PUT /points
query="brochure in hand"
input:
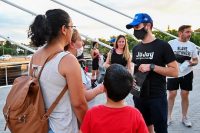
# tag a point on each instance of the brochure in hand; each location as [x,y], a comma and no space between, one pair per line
[140,78]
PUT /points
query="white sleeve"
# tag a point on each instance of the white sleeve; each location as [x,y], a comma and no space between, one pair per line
[171,42]
[83,76]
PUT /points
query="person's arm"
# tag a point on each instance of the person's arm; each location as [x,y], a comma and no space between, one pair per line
[129,66]
[70,69]
[171,69]
[107,62]
[172,66]
[92,93]
[193,61]
[86,125]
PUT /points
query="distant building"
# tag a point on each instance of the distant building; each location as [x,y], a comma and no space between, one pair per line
[197,30]
[1,42]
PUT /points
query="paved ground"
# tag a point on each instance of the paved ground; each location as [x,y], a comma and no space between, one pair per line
[176,127]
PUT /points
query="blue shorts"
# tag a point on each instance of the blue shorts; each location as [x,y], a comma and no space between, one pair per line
[154,111]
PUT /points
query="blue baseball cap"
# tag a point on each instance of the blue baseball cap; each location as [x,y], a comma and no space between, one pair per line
[112,40]
[138,19]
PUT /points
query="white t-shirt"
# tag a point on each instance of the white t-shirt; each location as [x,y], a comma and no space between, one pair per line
[183,51]
[87,82]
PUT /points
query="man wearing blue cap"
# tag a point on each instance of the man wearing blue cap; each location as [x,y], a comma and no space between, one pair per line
[151,56]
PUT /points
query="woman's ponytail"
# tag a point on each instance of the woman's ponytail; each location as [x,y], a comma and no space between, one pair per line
[39,31]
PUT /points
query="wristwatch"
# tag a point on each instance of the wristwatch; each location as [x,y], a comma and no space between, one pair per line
[152,67]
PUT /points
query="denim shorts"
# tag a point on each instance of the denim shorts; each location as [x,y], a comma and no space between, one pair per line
[50,131]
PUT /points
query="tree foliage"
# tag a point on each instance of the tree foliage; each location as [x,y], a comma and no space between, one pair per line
[131,42]
[11,49]
[8,48]
[195,38]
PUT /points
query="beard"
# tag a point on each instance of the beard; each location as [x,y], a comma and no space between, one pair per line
[185,39]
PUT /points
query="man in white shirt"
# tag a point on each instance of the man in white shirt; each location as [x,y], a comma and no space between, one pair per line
[186,55]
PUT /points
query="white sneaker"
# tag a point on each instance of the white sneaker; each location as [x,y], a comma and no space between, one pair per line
[186,122]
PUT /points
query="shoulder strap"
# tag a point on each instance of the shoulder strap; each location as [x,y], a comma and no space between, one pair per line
[46,115]
[48,59]
[52,107]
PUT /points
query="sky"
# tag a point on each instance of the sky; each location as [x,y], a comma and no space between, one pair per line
[14,23]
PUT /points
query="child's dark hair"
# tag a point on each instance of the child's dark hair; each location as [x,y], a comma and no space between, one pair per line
[118,82]
[46,27]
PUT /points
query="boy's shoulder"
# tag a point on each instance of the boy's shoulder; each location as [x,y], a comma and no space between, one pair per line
[133,109]
[103,107]
[96,108]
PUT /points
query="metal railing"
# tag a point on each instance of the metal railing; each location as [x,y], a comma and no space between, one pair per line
[34,14]
[114,10]
[10,71]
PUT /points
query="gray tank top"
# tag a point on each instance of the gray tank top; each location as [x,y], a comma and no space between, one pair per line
[62,119]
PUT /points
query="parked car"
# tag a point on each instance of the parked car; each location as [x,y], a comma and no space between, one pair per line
[5,57]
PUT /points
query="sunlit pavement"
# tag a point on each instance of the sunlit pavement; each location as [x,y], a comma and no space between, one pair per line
[176,127]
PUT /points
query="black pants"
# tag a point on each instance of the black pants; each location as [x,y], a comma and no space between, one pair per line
[154,111]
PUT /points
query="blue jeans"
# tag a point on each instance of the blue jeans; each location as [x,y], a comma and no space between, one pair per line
[50,131]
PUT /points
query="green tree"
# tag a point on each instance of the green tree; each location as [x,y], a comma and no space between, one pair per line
[8,44]
[10,48]
[163,36]
[1,50]
[131,41]
[196,38]
[102,49]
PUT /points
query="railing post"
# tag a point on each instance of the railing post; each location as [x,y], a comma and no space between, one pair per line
[6,75]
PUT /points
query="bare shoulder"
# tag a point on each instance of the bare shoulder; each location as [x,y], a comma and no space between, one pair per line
[69,61]
[69,58]
[38,52]
[38,56]
[69,66]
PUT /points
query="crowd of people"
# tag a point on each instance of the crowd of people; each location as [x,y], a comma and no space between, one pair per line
[153,57]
